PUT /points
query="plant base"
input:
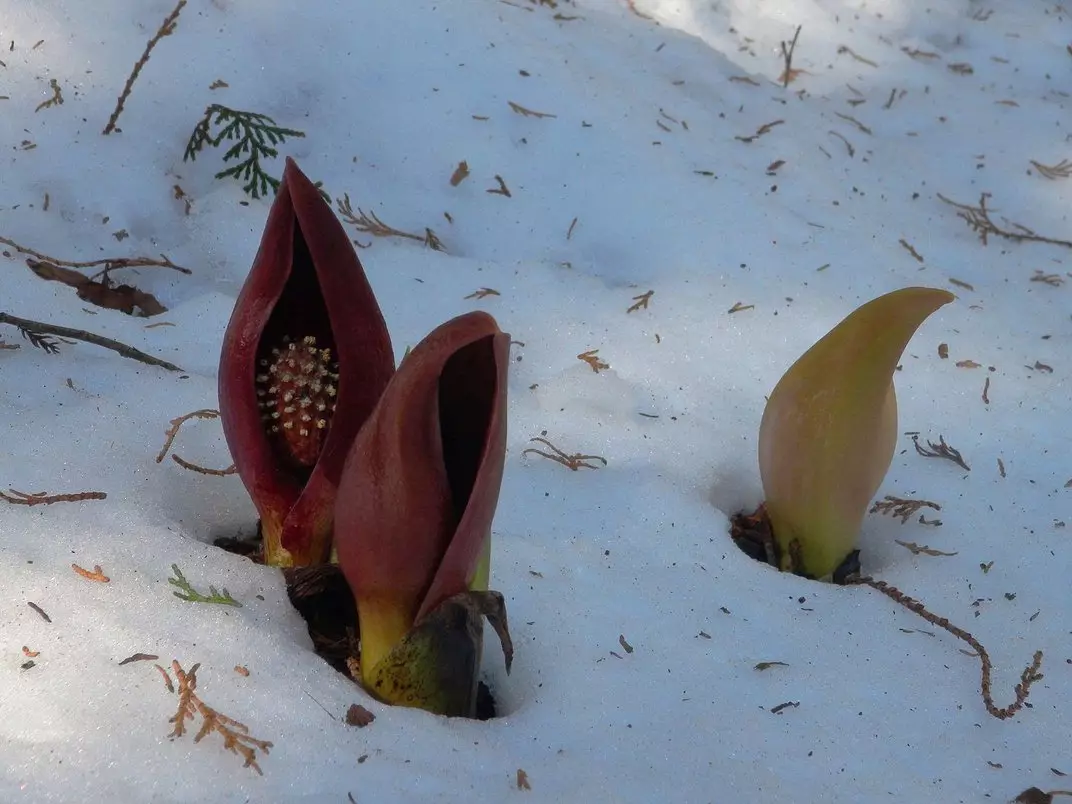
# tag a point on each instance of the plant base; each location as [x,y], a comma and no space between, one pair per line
[754,535]
[323,599]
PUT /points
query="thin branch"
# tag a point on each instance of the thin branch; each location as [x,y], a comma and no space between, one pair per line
[979,221]
[39,328]
[167,27]
[109,263]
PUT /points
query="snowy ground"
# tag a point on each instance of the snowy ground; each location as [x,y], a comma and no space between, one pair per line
[640,181]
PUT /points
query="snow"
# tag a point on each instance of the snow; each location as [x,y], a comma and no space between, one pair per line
[391,97]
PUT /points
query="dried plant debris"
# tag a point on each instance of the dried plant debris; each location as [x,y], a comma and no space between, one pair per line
[763,129]
[236,736]
[901,507]
[768,665]
[1062,170]
[911,250]
[979,221]
[254,136]
[173,431]
[738,307]
[176,425]
[1053,280]
[102,293]
[523,780]
[359,716]
[591,357]
[140,657]
[916,549]
[940,450]
[625,645]
[848,145]
[1028,677]
[36,332]
[106,265]
[960,68]
[788,73]
[44,498]
[482,293]
[55,100]
[777,710]
[502,189]
[167,27]
[572,462]
[641,302]
[96,575]
[39,610]
[943,351]
[521,110]
[371,224]
[854,121]
[460,174]
[188,593]
[846,49]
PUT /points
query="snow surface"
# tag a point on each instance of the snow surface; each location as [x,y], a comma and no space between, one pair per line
[643,154]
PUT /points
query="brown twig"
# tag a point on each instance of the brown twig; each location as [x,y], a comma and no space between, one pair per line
[38,327]
[203,470]
[167,27]
[979,221]
[236,737]
[372,225]
[502,189]
[176,425]
[571,462]
[44,498]
[763,129]
[1030,675]
[788,74]
[109,263]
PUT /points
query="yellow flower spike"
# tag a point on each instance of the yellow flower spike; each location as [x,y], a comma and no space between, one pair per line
[830,427]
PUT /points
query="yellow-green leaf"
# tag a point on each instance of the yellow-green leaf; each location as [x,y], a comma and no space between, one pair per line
[830,427]
[434,667]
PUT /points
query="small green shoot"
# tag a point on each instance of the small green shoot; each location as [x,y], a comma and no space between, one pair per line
[193,596]
[254,136]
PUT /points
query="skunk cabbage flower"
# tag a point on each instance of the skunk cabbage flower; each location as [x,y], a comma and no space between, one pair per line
[305,358]
[830,427]
[413,518]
